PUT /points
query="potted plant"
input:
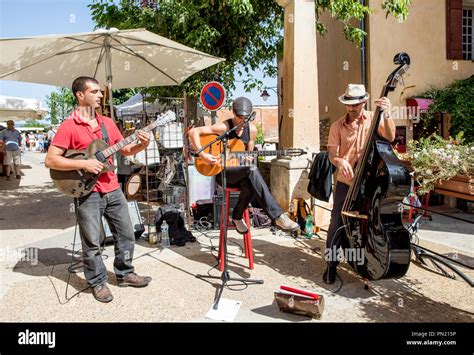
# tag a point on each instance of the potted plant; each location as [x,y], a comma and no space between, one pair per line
[443,164]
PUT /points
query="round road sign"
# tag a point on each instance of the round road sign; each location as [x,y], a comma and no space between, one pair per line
[212,95]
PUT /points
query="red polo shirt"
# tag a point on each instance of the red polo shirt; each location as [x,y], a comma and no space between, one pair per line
[74,133]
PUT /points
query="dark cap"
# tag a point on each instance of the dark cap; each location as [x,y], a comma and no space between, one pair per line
[242,106]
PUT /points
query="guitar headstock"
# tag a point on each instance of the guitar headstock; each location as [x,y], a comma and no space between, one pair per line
[168,116]
[294,152]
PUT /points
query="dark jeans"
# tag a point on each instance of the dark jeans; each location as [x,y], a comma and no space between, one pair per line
[336,233]
[90,209]
[251,184]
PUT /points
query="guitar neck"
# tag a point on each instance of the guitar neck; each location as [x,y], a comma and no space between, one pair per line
[263,153]
[124,142]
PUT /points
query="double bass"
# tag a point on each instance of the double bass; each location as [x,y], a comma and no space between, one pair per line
[371,216]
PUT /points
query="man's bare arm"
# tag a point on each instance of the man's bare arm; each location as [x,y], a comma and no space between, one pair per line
[132,149]
[55,160]
[197,132]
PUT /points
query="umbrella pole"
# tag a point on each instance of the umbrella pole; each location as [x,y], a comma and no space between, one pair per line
[108,73]
[111,100]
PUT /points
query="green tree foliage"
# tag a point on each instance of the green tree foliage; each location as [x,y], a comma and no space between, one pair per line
[35,123]
[260,139]
[122,95]
[456,99]
[60,103]
[247,33]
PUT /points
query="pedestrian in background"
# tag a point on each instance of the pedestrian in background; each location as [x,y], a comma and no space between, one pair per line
[10,141]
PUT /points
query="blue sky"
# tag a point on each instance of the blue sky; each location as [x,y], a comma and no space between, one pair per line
[19,18]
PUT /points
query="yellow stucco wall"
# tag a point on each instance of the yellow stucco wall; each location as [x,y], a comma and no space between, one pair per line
[423,37]
[338,65]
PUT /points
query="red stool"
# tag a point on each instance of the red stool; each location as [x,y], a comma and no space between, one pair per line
[247,236]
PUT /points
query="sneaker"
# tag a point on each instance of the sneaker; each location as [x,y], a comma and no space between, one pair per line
[18,177]
[329,276]
[284,222]
[102,293]
[134,280]
[240,226]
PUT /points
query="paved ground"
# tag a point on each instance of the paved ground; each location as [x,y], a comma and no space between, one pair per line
[35,215]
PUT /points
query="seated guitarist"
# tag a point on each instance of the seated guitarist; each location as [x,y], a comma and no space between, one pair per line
[82,127]
[247,178]
[346,141]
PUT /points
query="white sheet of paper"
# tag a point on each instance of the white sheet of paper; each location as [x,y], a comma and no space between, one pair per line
[226,310]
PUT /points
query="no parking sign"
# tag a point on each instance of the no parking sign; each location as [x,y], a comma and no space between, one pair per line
[212,95]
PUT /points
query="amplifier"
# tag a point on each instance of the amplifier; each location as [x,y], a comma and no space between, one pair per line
[138,226]
[218,199]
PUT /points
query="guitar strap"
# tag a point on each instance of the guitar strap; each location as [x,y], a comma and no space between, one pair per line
[105,136]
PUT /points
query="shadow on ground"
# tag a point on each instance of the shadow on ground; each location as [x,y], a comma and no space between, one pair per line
[400,301]
[35,207]
[389,300]
[58,263]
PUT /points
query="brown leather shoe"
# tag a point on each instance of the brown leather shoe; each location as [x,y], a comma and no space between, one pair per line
[102,293]
[134,280]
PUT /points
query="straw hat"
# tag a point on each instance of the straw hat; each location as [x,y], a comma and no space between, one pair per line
[355,94]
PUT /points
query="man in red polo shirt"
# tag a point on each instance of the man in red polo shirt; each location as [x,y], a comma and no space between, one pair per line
[82,127]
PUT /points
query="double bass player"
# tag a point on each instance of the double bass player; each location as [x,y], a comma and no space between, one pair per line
[347,138]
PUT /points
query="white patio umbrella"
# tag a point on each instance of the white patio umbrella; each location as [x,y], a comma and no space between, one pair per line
[17,108]
[126,58]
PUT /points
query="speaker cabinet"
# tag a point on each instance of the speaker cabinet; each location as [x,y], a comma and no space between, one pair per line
[218,201]
[138,226]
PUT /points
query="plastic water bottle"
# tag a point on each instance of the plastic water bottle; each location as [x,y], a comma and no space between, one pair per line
[165,238]
[308,228]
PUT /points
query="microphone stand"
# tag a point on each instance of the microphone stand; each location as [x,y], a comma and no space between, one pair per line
[225,276]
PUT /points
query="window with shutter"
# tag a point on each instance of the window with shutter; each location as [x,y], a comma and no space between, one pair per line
[454,29]
[467,31]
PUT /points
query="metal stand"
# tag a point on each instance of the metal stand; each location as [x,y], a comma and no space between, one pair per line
[225,276]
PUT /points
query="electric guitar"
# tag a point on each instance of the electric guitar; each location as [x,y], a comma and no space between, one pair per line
[78,183]
[236,155]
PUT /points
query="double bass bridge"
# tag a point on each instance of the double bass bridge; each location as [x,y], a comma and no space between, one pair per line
[355,214]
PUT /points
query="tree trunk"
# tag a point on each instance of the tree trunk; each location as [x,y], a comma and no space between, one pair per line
[190,109]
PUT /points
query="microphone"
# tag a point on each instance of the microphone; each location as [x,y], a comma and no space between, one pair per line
[251,117]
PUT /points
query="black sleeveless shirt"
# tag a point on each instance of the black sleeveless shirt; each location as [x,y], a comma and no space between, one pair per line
[245,137]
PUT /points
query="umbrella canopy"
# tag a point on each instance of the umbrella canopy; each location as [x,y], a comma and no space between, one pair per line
[17,108]
[128,58]
[135,106]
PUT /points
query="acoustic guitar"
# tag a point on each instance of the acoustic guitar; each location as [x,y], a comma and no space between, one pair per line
[78,183]
[236,156]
